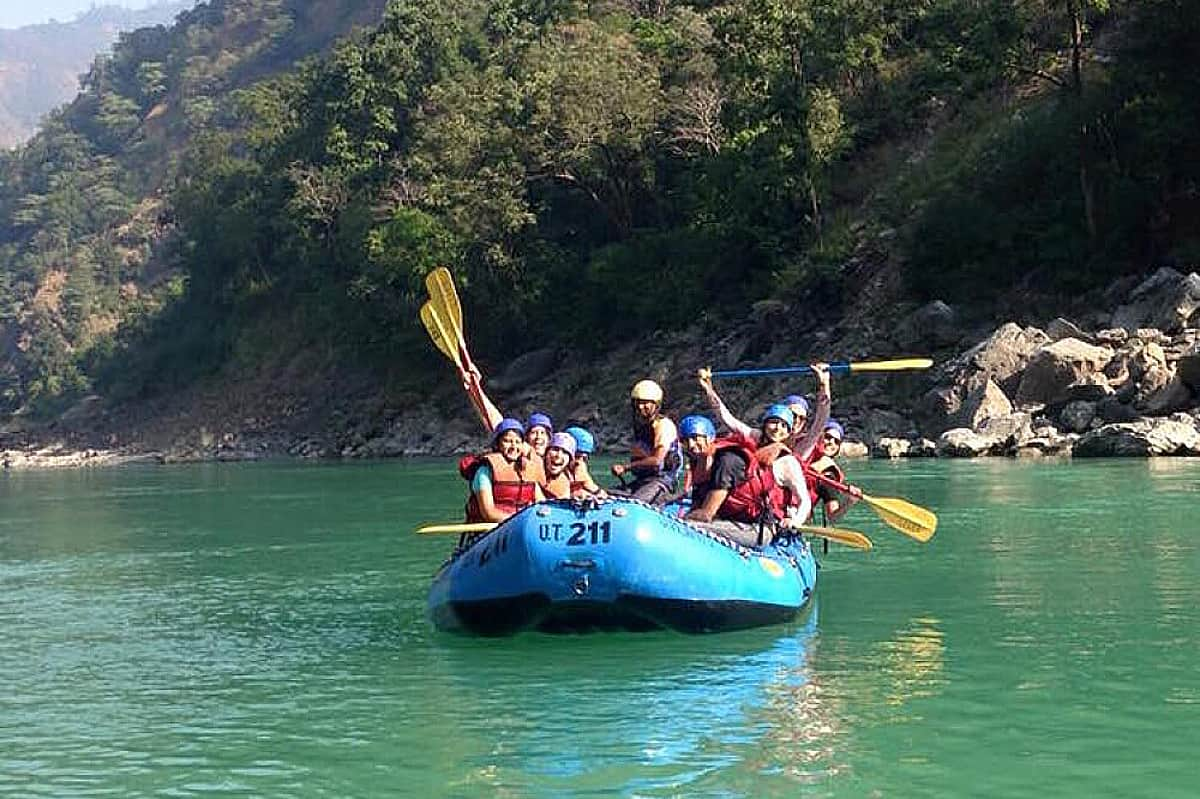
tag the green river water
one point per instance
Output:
(260, 630)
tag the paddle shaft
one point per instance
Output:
(835, 368)
(464, 527)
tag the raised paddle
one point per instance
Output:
(440, 285)
(438, 332)
(912, 520)
(848, 537)
(445, 341)
(444, 299)
(836, 368)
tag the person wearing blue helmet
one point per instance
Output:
(735, 491)
(504, 480)
(538, 430)
(582, 484)
(802, 445)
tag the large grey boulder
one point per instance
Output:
(962, 384)
(1188, 369)
(1001, 357)
(1004, 434)
(962, 442)
(934, 324)
(1056, 367)
(1077, 416)
(1174, 436)
(985, 402)
(1166, 300)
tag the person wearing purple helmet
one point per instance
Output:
(559, 453)
(799, 408)
(802, 445)
(833, 505)
(582, 483)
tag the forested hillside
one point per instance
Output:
(591, 172)
(40, 65)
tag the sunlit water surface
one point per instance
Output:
(260, 629)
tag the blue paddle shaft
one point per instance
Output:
(835, 368)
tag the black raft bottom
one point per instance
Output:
(506, 616)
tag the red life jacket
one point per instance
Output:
(513, 485)
(758, 497)
(820, 464)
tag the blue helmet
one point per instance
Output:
(505, 426)
(540, 420)
(798, 401)
(837, 428)
(781, 412)
(584, 441)
(696, 425)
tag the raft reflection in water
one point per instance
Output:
(754, 713)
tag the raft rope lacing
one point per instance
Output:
(782, 539)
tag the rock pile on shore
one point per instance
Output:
(1129, 388)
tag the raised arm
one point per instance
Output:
(727, 418)
(487, 411)
(805, 448)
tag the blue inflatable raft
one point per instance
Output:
(564, 567)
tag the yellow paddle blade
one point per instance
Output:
(468, 527)
(912, 520)
(444, 297)
(892, 366)
(848, 537)
(430, 321)
(442, 338)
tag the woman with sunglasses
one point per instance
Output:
(832, 504)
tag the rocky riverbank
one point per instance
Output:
(1122, 382)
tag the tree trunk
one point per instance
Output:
(815, 202)
(1075, 14)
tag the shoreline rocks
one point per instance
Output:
(1112, 387)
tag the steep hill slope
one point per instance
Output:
(594, 174)
(85, 226)
(40, 65)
